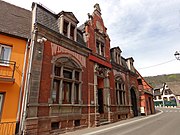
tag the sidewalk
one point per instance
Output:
(92, 130)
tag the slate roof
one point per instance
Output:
(15, 20)
(174, 87)
(50, 20)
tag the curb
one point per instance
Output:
(123, 124)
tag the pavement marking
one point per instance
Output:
(123, 124)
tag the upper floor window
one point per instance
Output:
(1, 102)
(117, 58)
(72, 32)
(5, 53)
(69, 29)
(66, 82)
(100, 49)
(139, 81)
(65, 28)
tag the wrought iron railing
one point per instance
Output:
(8, 128)
(7, 69)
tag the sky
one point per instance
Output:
(147, 30)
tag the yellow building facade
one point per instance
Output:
(15, 25)
(12, 52)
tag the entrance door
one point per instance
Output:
(100, 101)
(134, 102)
(150, 105)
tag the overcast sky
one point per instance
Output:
(147, 30)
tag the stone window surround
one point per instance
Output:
(73, 81)
(71, 25)
(120, 91)
(100, 48)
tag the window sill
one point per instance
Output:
(4, 65)
(64, 105)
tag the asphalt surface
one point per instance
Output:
(166, 122)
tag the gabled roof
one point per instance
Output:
(174, 87)
(14, 20)
(70, 14)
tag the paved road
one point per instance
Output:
(165, 123)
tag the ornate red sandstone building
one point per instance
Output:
(74, 79)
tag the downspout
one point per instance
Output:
(22, 82)
(28, 75)
(26, 88)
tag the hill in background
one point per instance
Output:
(155, 81)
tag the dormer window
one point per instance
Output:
(65, 28)
(72, 32)
(117, 58)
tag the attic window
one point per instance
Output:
(65, 28)
(72, 32)
(139, 81)
(117, 58)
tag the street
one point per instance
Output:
(165, 122)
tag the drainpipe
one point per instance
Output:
(27, 82)
(95, 94)
(22, 82)
(28, 76)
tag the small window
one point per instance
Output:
(97, 47)
(57, 71)
(139, 81)
(5, 52)
(100, 49)
(1, 102)
(65, 28)
(67, 74)
(77, 123)
(72, 32)
(76, 93)
(77, 75)
(54, 125)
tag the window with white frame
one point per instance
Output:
(5, 53)
(66, 82)
(120, 91)
(69, 29)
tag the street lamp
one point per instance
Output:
(177, 55)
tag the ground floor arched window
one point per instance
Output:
(66, 81)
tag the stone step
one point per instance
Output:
(104, 121)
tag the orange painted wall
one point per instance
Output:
(11, 90)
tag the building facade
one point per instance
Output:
(57, 84)
(126, 87)
(67, 77)
(15, 25)
(146, 96)
(167, 95)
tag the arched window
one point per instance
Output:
(66, 82)
(120, 91)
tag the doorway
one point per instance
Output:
(134, 102)
(100, 101)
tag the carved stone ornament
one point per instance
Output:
(99, 26)
(97, 7)
(101, 71)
